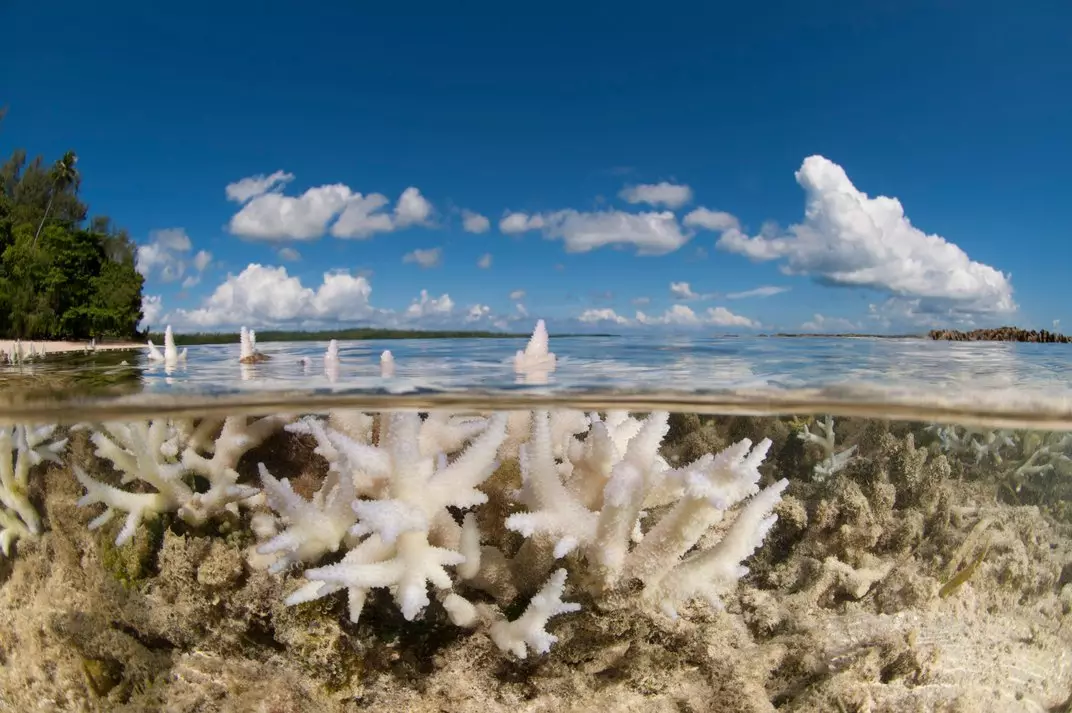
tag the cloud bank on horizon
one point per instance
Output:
(846, 239)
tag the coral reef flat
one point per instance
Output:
(824, 565)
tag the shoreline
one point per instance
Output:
(1000, 334)
(66, 347)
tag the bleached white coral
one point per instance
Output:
(248, 353)
(331, 361)
(1044, 454)
(237, 435)
(312, 528)
(1021, 454)
(22, 448)
(605, 529)
(530, 629)
(536, 362)
(400, 532)
(565, 424)
(984, 445)
(247, 344)
(161, 454)
(409, 535)
(171, 355)
(331, 354)
(584, 490)
(833, 460)
(594, 487)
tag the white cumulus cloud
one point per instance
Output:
(273, 216)
(658, 194)
(412, 209)
(683, 291)
(167, 256)
(265, 296)
(484, 262)
(513, 223)
(428, 306)
(152, 308)
(477, 312)
(848, 238)
(910, 315)
(595, 316)
(202, 260)
(267, 214)
(711, 220)
(289, 254)
(426, 258)
(242, 190)
(684, 316)
(362, 217)
(473, 222)
(261, 295)
(722, 317)
(517, 295)
(654, 233)
(678, 314)
(764, 291)
(822, 323)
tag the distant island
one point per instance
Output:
(275, 335)
(1000, 334)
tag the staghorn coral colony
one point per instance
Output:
(390, 502)
(532, 560)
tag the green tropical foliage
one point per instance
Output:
(61, 277)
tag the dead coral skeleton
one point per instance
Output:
(388, 502)
(833, 459)
(163, 454)
(1023, 454)
(22, 448)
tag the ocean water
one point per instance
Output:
(740, 524)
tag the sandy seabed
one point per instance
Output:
(909, 581)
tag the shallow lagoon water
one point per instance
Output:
(921, 558)
(640, 364)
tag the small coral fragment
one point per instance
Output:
(530, 629)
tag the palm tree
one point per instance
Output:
(64, 175)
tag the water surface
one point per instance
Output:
(884, 377)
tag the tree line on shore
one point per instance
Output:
(1000, 334)
(62, 275)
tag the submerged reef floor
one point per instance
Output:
(911, 568)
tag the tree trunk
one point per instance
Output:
(44, 217)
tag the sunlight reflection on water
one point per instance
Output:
(629, 364)
(1027, 379)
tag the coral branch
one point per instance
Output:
(22, 448)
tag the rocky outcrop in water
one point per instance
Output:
(1000, 334)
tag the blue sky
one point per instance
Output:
(708, 165)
